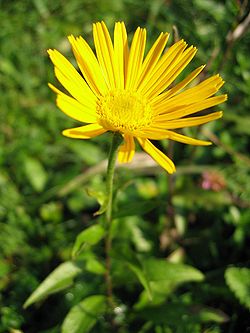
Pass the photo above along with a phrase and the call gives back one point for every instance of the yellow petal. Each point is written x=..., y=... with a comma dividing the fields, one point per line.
x=135, y=58
x=127, y=150
x=73, y=108
x=71, y=79
x=157, y=155
x=173, y=91
x=160, y=134
x=120, y=53
x=182, y=111
x=192, y=95
x=88, y=65
x=84, y=132
x=163, y=66
x=161, y=83
x=126, y=52
x=186, y=139
x=105, y=52
x=153, y=56
x=188, y=122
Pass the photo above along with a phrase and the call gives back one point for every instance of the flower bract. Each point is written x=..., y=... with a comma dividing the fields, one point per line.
x=122, y=89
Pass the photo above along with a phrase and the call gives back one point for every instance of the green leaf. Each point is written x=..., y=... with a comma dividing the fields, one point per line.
x=238, y=280
x=35, y=173
x=4, y=269
x=91, y=154
x=51, y=211
x=165, y=276
x=59, y=279
x=101, y=198
x=89, y=236
x=207, y=314
x=178, y=315
x=136, y=208
x=94, y=266
x=83, y=316
x=131, y=228
x=142, y=278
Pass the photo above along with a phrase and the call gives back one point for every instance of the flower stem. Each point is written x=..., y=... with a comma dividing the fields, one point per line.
x=116, y=141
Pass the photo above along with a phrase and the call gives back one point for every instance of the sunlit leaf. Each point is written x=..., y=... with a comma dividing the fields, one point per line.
x=207, y=314
x=238, y=280
x=101, y=198
x=83, y=316
x=165, y=276
x=142, y=278
x=35, y=173
x=89, y=236
x=61, y=278
x=95, y=266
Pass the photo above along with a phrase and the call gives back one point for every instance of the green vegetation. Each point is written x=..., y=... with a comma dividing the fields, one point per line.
x=198, y=219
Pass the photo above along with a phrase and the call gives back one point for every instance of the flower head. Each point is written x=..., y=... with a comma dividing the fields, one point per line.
x=122, y=90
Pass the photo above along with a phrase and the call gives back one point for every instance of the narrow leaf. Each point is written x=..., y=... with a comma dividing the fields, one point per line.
x=165, y=276
x=35, y=173
x=59, y=279
x=89, y=236
x=238, y=280
x=95, y=266
x=160, y=269
x=83, y=316
x=207, y=314
x=179, y=314
x=136, y=208
x=101, y=197
x=142, y=278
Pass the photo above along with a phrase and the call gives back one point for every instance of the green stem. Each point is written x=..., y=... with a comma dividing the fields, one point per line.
x=116, y=141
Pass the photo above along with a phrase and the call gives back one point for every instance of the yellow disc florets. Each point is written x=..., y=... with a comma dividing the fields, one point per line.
x=124, y=111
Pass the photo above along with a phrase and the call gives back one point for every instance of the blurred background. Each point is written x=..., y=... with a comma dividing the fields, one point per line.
x=200, y=216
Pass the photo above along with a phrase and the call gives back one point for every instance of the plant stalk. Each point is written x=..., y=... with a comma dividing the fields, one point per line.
x=116, y=141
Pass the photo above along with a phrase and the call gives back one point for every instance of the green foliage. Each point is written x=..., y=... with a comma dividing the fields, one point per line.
x=136, y=208
x=165, y=276
x=35, y=173
x=178, y=316
x=196, y=223
x=238, y=280
x=89, y=236
x=59, y=279
x=101, y=198
x=142, y=278
x=83, y=316
x=160, y=278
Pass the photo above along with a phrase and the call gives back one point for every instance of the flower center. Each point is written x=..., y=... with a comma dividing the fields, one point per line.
x=124, y=111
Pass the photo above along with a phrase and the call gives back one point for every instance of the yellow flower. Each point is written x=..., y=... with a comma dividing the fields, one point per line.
x=121, y=90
